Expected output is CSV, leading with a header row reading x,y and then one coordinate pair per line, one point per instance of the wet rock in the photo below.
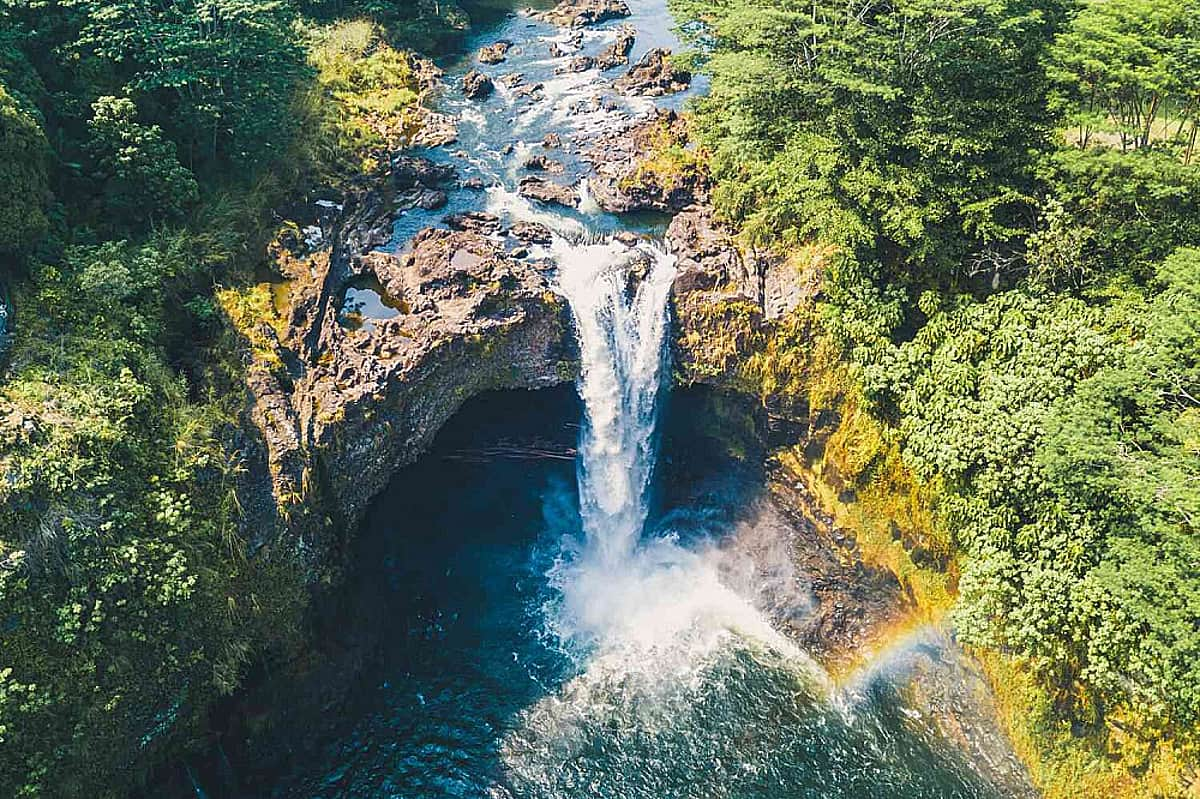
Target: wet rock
x,y
495,53
476,85
617,53
545,191
431,200
580,63
474,184
427,74
715,299
552,141
638,269
529,92
436,130
578,13
542,163
478,222
709,257
654,76
408,172
532,233
364,402
556,51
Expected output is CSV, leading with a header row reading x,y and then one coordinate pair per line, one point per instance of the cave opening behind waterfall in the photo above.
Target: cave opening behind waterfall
x,y
434,673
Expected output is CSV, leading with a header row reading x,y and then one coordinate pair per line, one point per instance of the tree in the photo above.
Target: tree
x,y
1124,68
142,178
223,72
23,151
904,131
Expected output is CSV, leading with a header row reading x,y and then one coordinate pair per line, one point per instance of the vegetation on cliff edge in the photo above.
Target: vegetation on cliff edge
x,y
1004,193
142,146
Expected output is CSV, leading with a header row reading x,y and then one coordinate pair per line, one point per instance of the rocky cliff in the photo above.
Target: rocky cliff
x,y
342,395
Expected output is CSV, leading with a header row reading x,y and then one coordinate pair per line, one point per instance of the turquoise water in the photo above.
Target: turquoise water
x,y
465,693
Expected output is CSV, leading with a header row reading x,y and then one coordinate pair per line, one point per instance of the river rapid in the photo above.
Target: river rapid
x,y
559,600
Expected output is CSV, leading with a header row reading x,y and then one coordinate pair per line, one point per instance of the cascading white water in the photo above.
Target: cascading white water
x,y
621,322
653,624
625,601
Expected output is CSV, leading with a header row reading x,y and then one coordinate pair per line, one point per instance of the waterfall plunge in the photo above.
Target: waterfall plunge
x,y
621,328
628,602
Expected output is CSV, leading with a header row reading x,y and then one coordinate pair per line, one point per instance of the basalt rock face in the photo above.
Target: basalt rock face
x,y
494,53
339,407
726,298
578,13
477,86
617,53
548,192
716,300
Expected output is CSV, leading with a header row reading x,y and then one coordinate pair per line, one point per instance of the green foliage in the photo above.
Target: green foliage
x,y
359,107
140,172
1122,68
1065,436
429,25
1127,210
901,131
127,599
23,151
1056,406
224,71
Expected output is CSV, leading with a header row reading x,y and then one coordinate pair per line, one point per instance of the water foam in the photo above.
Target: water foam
x,y
675,658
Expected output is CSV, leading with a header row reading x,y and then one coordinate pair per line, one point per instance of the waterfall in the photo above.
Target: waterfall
x,y
619,296
657,633
625,599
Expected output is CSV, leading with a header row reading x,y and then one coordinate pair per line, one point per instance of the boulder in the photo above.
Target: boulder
x,y
476,85
495,53
578,13
532,233
580,63
435,130
542,163
620,184
529,92
478,222
654,76
715,299
617,53
431,199
709,258
545,191
409,172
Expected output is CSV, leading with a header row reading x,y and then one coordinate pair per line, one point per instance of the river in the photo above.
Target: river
x,y
551,603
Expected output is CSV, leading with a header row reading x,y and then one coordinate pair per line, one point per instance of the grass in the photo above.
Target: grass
x,y
1099,763
361,105
667,162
